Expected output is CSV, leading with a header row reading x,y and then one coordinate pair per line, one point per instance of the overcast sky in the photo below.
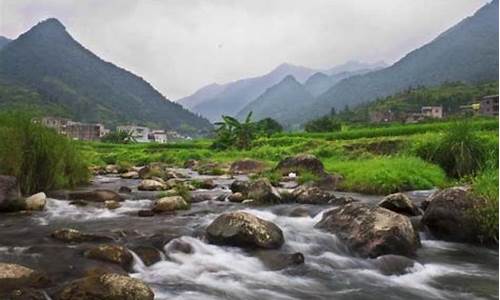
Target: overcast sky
x,y
181,45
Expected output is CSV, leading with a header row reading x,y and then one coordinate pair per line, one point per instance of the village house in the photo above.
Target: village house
x,y
435,112
75,130
381,116
139,133
159,136
488,105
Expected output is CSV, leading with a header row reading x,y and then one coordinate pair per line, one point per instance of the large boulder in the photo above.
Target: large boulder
x,y
167,204
399,203
301,163
306,194
276,260
240,186
36,201
328,182
244,230
450,215
152,170
247,166
148,255
151,185
130,175
70,235
371,231
10,194
96,196
106,287
13,276
262,192
111,253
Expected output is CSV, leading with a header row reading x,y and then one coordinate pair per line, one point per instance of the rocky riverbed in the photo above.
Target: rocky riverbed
x,y
132,245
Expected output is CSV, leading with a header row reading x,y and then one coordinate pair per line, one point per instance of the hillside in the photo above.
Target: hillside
x,y
4,41
236,95
467,52
206,92
48,61
279,101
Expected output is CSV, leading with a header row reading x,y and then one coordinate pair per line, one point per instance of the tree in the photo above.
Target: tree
x,y
323,124
268,127
119,137
230,132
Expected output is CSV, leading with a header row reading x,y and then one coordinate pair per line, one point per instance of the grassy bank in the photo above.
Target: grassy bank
x,y
380,160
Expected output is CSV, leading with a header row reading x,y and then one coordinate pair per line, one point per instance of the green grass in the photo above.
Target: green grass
x,y
485,185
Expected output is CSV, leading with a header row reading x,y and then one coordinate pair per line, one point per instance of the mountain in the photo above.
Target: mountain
x,y
279,101
4,41
467,52
319,82
206,92
47,60
354,66
236,95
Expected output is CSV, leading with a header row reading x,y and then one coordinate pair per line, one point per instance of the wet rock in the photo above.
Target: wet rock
x,y
450,215
199,197
399,203
299,212
306,194
111,204
145,213
124,189
416,222
276,260
130,175
371,231
210,168
95,196
111,253
173,182
13,276
244,230
191,164
393,264
301,163
106,287
240,186
36,201
152,170
27,294
247,166
151,185
208,184
221,197
111,169
79,203
236,198
69,235
168,204
10,194
262,192
148,255
179,245
328,182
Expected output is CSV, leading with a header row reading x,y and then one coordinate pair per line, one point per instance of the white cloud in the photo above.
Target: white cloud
x,y
180,45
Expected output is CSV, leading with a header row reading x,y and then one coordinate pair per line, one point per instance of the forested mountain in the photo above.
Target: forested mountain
x,y
467,52
279,102
238,94
49,62
354,66
3,41
319,82
201,95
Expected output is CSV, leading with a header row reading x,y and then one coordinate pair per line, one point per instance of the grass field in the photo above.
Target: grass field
x,y
372,160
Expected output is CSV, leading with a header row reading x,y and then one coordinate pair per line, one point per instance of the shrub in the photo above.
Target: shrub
x,y
40,158
485,185
323,124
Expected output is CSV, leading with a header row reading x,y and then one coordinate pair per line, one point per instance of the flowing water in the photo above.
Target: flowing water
x,y
443,270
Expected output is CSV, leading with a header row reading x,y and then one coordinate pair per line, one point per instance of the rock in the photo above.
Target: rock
x,y
148,255
145,213
416,222
124,189
151,185
96,196
263,192
111,204
240,186
276,260
244,230
399,203
371,231
209,168
236,198
36,201
13,276
111,253
221,197
172,203
152,170
301,163
179,245
69,235
299,212
10,194
208,184
130,175
111,169
247,166
199,197
248,201
173,182
191,164
449,215
79,203
328,182
27,294
393,264
306,194
106,287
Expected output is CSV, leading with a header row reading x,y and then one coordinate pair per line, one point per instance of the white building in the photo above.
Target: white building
x,y
159,136
139,133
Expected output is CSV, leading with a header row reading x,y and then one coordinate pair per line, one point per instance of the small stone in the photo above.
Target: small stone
x,y
111,204
36,201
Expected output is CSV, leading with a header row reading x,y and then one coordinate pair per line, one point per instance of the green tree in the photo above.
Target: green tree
x,y
323,124
231,132
268,127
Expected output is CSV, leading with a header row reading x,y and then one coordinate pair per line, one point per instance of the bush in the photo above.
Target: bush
x,y
323,124
37,156
485,185
460,151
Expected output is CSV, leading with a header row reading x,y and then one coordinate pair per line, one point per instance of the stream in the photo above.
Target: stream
x,y
443,270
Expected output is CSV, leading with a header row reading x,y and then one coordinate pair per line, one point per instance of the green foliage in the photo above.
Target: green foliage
x,y
485,185
306,177
119,137
40,158
268,127
184,192
323,124
460,151
231,133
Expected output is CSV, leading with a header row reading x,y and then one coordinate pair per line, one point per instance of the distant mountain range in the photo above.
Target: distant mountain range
x,y
467,52
47,63
4,41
